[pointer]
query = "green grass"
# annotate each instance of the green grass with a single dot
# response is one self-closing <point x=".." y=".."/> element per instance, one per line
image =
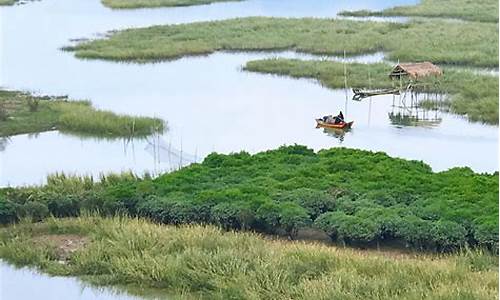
<point x="197" y="262"/>
<point x="482" y="10"/>
<point x="356" y="197"/>
<point x="473" y="95"/>
<point x="128" y="4"/>
<point x="450" y="42"/>
<point x="7" y="2"/>
<point x="75" y="117"/>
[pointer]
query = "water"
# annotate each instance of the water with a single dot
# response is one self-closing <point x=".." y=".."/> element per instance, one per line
<point x="209" y="103"/>
<point x="26" y="284"/>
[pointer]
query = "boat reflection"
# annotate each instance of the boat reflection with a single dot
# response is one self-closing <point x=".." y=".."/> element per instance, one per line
<point x="336" y="133"/>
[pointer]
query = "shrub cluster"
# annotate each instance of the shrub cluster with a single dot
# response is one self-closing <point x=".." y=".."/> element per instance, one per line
<point x="355" y="196"/>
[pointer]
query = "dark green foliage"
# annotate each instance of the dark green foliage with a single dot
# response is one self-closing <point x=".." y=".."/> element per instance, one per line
<point x="35" y="211"/>
<point x="7" y="211"/>
<point x="355" y="196"/>
<point x="314" y="201"/>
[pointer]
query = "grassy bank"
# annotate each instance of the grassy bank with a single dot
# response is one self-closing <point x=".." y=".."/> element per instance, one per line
<point x="7" y="2"/>
<point x="355" y="197"/>
<point x="473" y="95"/>
<point x="24" y="113"/>
<point x="128" y="4"/>
<point x="483" y="10"/>
<point x="193" y="262"/>
<point x="450" y="42"/>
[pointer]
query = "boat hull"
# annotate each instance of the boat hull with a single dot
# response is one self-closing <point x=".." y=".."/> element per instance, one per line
<point x="345" y="125"/>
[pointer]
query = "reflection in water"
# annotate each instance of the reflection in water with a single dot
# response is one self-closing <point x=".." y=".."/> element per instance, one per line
<point x="336" y="133"/>
<point x="4" y="141"/>
<point x="419" y="110"/>
<point x="28" y="159"/>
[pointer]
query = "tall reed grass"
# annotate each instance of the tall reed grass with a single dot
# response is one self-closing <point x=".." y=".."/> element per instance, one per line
<point x="482" y="10"/>
<point x="440" y="41"/>
<point x="206" y="262"/>
<point x="82" y="118"/>
<point x="27" y="113"/>
<point x="130" y="4"/>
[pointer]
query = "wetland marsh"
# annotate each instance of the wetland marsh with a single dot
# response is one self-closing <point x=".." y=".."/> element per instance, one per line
<point x="242" y="78"/>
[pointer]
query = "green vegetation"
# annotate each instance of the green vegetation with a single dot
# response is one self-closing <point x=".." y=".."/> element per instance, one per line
<point x="157" y="3"/>
<point x="198" y="262"/>
<point x="25" y="113"/>
<point x="356" y="197"/>
<point x="448" y="42"/>
<point x="482" y="10"/>
<point x="7" y="2"/>
<point x="472" y="94"/>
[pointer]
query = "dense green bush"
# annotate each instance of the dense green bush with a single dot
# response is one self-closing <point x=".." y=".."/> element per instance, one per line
<point x="7" y="211"/>
<point x="35" y="211"/>
<point x="354" y="196"/>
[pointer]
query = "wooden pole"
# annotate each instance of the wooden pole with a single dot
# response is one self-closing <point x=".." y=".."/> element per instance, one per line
<point x="345" y="84"/>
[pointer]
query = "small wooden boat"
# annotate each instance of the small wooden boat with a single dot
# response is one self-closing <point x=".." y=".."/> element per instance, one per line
<point x="344" y="125"/>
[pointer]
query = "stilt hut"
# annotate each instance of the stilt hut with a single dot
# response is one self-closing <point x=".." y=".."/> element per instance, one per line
<point x="415" y="71"/>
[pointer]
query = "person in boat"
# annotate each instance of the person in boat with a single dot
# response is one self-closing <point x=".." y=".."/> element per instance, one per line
<point x="339" y="119"/>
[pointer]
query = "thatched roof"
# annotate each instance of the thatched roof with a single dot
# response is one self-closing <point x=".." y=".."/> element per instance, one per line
<point x="416" y="70"/>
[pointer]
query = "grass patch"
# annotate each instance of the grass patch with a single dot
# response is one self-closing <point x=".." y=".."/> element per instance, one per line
<point x="24" y="113"/>
<point x="482" y="10"/>
<point x="206" y="262"/>
<point x="449" y="42"/>
<point x="473" y="95"/>
<point x="128" y="4"/>
<point x="7" y="2"/>
<point x="356" y="197"/>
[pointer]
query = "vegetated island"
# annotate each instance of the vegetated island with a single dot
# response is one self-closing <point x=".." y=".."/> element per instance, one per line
<point x="22" y="112"/>
<point x="131" y="4"/>
<point x="355" y="197"/>
<point x="205" y="262"/>
<point x="7" y="2"/>
<point x="445" y="42"/>
<point x="482" y="10"/>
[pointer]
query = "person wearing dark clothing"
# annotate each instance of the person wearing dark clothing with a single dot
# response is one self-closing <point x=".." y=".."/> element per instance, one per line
<point x="339" y="118"/>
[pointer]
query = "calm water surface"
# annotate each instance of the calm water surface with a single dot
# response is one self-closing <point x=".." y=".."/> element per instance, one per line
<point x="209" y="103"/>
<point x="26" y="284"/>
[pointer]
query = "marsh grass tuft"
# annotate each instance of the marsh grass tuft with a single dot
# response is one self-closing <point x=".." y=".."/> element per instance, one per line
<point x="207" y="262"/>
<point x="27" y="113"/>
<point x="130" y="4"/>
<point x="482" y="10"/>
<point x="440" y="41"/>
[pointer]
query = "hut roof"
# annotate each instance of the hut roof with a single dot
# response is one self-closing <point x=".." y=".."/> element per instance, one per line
<point x="416" y="70"/>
